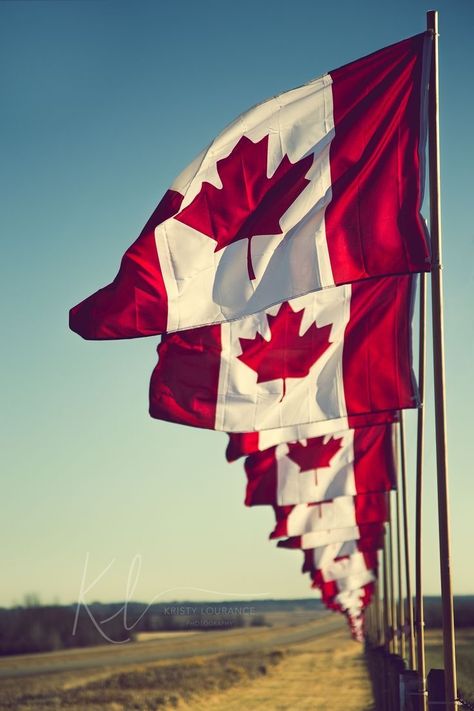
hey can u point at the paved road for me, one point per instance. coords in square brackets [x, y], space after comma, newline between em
[200, 644]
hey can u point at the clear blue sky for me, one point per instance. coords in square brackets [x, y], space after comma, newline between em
[103, 103]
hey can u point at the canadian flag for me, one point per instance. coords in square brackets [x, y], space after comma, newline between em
[356, 598]
[341, 512]
[347, 583]
[356, 622]
[330, 354]
[322, 556]
[316, 187]
[243, 444]
[356, 625]
[319, 558]
[321, 468]
[355, 564]
[352, 601]
[316, 539]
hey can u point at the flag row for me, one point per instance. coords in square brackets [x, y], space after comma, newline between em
[280, 270]
[329, 497]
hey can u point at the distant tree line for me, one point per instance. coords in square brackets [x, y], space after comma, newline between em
[35, 628]
[463, 612]
[49, 628]
[40, 628]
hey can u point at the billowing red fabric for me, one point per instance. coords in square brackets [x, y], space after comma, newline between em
[373, 222]
[189, 364]
[377, 347]
[135, 303]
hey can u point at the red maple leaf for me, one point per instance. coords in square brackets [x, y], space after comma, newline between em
[315, 455]
[286, 354]
[249, 203]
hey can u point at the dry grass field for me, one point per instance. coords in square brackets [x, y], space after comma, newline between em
[464, 657]
[306, 665]
[327, 674]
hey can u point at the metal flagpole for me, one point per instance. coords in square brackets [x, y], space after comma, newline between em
[401, 602]
[386, 606]
[411, 632]
[373, 623]
[419, 617]
[439, 377]
[369, 624]
[384, 671]
[393, 602]
[378, 631]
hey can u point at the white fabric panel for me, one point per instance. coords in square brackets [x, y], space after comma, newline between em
[295, 486]
[209, 286]
[292, 433]
[305, 518]
[318, 396]
[334, 535]
[337, 569]
[350, 600]
[357, 580]
[323, 556]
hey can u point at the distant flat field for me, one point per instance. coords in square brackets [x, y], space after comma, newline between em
[298, 666]
[464, 657]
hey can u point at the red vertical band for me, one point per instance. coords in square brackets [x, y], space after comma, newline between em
[135, 303]
[377, 347]
[373, 223]
[262, 478]
[374, 466]
[187, 394]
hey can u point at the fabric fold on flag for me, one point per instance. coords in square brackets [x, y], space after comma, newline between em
[339, 513]
[338, 569]
[346, 584]
[353, 600]
[319, 558]
[242, 444]
[316, 539]
[319, 186]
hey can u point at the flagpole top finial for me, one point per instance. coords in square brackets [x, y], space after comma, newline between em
[432, 20]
